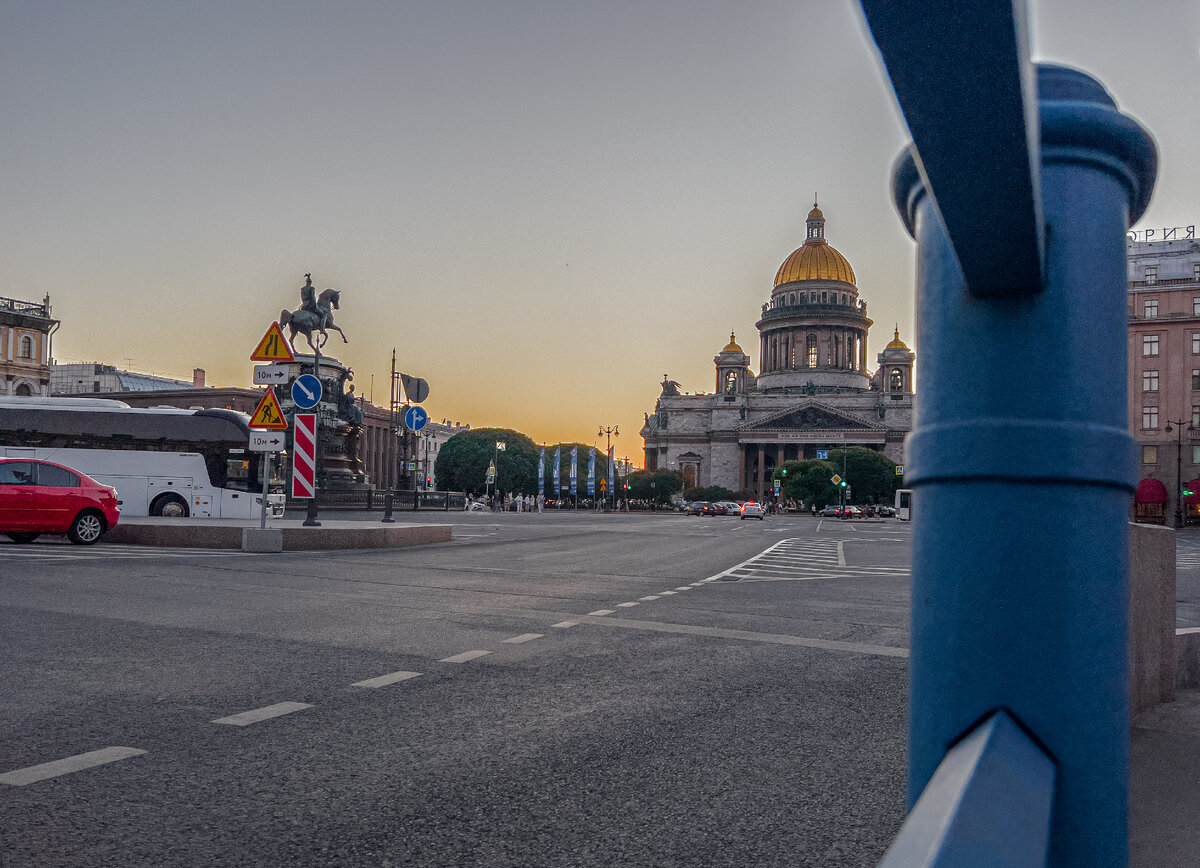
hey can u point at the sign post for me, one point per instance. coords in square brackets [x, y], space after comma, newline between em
[267, 415]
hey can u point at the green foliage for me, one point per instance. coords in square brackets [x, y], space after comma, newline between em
[711, 493]
[463, 462]
[871, 477]
[654, 485]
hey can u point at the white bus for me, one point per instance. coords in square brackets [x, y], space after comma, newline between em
[904, 504]
[161, 460]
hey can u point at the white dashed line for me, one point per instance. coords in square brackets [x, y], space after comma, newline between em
[79, 762]
[600, 612]
[666, 593]
[256, 715]
[651, 597]
[562, 625]
[523, 638]
[465, 656]
[626, 605]
[385, 680]
[684, 588]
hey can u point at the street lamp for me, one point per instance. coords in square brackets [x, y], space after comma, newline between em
[608, 434]
[1178, 423]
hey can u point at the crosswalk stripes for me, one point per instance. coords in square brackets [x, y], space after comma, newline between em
[797, 560]
[103, 551]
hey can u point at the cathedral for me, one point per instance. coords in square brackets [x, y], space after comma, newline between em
[813, 391]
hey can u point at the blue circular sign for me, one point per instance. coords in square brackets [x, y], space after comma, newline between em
[415, 418]
[306, 391]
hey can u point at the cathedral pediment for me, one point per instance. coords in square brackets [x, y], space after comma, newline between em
[812, 416]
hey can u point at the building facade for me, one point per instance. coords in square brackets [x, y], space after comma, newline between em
[26, 328]
[814, 389]
[1164, 374]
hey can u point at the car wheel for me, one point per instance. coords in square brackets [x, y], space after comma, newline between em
[169, 506]
[87, 528]
[22, 537]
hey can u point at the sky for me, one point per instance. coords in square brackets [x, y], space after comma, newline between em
[542, 205]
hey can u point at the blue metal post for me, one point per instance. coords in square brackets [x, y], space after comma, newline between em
[1023, 466]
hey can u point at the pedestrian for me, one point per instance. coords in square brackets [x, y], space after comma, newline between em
[814, 509]
[541, 502]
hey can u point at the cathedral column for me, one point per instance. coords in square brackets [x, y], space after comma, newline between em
[758, 477]
[741, 467]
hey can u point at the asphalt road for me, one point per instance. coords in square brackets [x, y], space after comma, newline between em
[758, 718]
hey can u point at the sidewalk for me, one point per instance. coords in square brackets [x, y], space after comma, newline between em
[284, 534]
[1164, 784]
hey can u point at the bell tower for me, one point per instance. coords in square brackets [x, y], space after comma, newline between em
[733, 371]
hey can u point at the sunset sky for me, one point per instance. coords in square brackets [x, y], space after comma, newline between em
[543, 205]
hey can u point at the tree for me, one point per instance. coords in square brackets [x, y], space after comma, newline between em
[711, 493]
[872, 475]
[463, 462]
[657, 486]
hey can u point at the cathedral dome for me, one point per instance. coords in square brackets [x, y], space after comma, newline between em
[816, 260]
[732, 346]
[896, 343]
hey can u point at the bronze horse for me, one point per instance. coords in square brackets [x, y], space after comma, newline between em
[305, 322]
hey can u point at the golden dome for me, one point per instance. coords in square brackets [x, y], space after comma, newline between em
[816, 260]
[732, 346]
[896, 343]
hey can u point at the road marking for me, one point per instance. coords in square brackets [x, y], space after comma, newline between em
[841, 553]
[523, 638]
[684, 588]
[666, 593]
[257, 715]
[626, 605]
[56, 768]
[465, 656]
[651, 597]
[385, 680]
[752, 636]
[565, 624]
[599, 612]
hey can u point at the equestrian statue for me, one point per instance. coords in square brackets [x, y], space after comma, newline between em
[314, 315]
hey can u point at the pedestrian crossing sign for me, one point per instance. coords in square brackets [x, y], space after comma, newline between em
[268, 413]
[273, 347]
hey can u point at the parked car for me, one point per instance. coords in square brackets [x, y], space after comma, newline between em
[750, 509]
[707, 508]
[730, 507]
[830, 511]
[693, 508]
[38, 497]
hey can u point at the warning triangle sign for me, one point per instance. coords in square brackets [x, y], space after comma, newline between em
[268, 414]
[273, 347]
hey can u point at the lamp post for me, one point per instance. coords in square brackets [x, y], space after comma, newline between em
[608, 434]
[1179, 423]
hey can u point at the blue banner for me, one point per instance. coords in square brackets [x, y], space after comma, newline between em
[557, 472]
[592, 472]
[574, 471]
[612, 488]
[542, 472]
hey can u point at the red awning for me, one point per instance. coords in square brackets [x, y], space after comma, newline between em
[1150, 491]
[1193, 498]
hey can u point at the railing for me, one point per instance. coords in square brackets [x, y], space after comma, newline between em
[855, 311]
[30, 308]
[370, 500]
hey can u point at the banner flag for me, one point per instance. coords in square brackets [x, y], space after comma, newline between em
[557, 471]
[574, 471]
[592, 472]
[611, 482]
[542, 472]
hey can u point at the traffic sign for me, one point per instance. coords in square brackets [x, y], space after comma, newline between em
[415, 418]
[899, 469]
[268, 413]
[267, 442]
[416, 388]
[273, 347]
[835, 479]
[304, 455]
[306, 391]
[822, 454]
[270, 375]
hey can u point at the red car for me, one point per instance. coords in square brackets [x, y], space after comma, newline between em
[38, 497]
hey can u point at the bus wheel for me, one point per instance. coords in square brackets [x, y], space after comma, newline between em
[22, 537]
[169, 506]
[87, 528]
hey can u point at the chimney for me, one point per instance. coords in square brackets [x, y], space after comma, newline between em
[197, 378]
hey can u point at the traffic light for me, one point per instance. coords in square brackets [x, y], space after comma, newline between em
[429, 482]
[844, 483]
[783, 472]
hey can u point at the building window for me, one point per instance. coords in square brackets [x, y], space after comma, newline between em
[26, 347]
[810, 350]
[1149, 381]
[896, 380]
[1196, 343]
[1151, 274]
[1196, 454]
[1149, 345]
[1149, 417]
[792, 299]
[1150, 308]
[1196, 304]
[731, 383]
[1196, 417]
[1196, 271]
[1196, 379]
[1149, 454]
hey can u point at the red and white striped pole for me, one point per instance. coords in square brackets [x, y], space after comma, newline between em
[304, 455]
